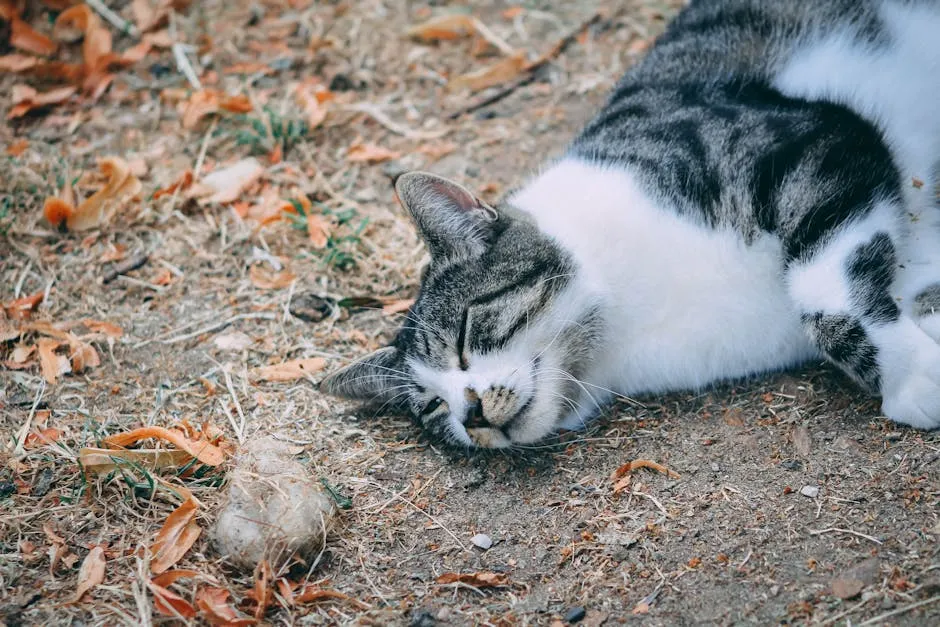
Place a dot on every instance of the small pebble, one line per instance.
(716, 467)
(481, 540)
(810, 490)
(575, 615)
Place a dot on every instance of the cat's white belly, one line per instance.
(687, 305)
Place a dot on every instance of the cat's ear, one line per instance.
(452, 221)
(374, 378)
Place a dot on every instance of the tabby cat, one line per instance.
(757, 192)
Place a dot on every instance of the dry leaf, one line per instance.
(169, 603)
(312, 593)
(262, 594)
(290, 370)
(478, 580)
(641, 608)
(802, 440)
(18, 63)
(436, 150)
(208, 101)
(58, 548)
(103, 460)
(370, 153)
(121, 188)
(643, 463)
(100, 326)
(235, 341)
(21, 353)
(22, 36)
(90, 574)
(228, 184)
(169, 577)
(444, 27)
(500, 72)
(40, 438)
(17, 148)
(203, 450)
(175, 538)
(27, 99)
(265, 279)
(51, 364)
(83, 356)
(214, 604)
(182, 184)
(313, 102)
(23, 308)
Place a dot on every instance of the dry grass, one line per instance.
(731, 541)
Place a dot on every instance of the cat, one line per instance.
(757, 192)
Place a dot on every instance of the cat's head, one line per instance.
(491, 352)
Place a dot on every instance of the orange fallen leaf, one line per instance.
(169, 603)
(51, 364)
(58, 548)
(90, 574)
(100, 326)
(23, 308)
(290, 370)
(9, 10)
(500, 72)
(169, 577)
(642, 608)
(478, 580)
(436, 150)
(23, 36)
(17, 148)
(182, 183)
(265, 279)
(512, 12)
(370, 153)
(203, 450)
(227, 184)
(39, 438)
(21, 353)
(121, 188)
(643, 463)
(175, 538)
(214, 604)
(314, 102)
(262, 593)
(318, 230)
(208, 101)
(27, 99)
(100, 461)
(83, 356)
(444, 27)
(312, 593)
(18, 63)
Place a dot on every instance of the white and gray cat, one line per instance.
(758, 191)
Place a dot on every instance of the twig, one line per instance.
(240, 428)
(492, 37)
(429, 516)
(125, 266)
(654, 500)
(184, 66)
(531, 69)
(379, 116)
(817, 532)
(116, 20)
(215, 326)
(841, 615)
(900, 610)
(24, 430)
(204, 149)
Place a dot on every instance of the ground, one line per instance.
(792, 491)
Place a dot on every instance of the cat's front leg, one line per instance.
(842, 289)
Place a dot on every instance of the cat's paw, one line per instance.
(914, 399)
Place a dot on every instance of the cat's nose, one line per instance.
(474, 416)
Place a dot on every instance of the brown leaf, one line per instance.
(51, 364)
(208, 101)
(103, 460)
(27, 99)
(847, 588)
(802, 440)
(227, 184)
(169, 603)
(58, 548)
(90, 574)
(23, 36)
(23, 308)
(312, 593)
(478, 580)
(262, 593)
(290, 370)
(370, 153)
(17, 148)
(314, 102)
(100, 326)
(83, 356)
(500, 72)
(203, 450)
(214, 604)
(643, 463)
(21, 353)
(169, 577)
(265, 279)
(121, 188)
(175, 538)
(182, 184)
(18, 63)
(444, 27)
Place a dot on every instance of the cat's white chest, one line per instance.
(686, 305)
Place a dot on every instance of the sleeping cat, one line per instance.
(758, 191)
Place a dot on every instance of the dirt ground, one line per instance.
(796, 503)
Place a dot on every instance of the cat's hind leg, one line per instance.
(842, 286)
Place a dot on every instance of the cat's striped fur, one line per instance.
(757, 191)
